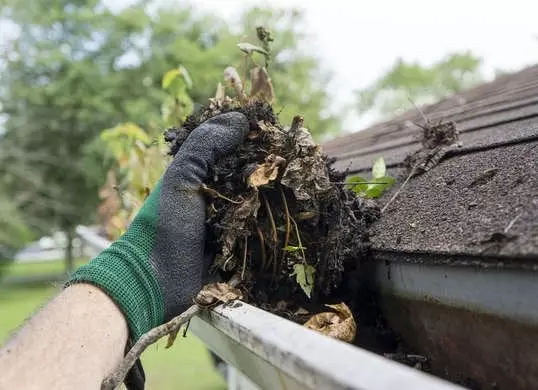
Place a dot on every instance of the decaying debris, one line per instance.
(279, 217)
(339, 323)
(437, 140)
(215, 293)
(281, 209)
(210, 295)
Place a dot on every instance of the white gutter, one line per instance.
(277, 354)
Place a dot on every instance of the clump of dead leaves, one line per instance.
(277, 213)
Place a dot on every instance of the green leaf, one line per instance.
(304, 274)
(186, 76)
(379, 186)
(248, 48)
(357, 184)
(169, 77)
(379, 169)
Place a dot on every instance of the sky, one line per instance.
(358, 41)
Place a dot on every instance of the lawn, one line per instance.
(38, 268)
(185, 366)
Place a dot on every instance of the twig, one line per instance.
(274, 232)
(362, 182)
(114, 379)
(244, 259)
(514, 220)
(299, 242)
(262, 247)
(271, 219)
(217, 194)
(118, 375)
(226, 262)
(399, 190)
(426, 120)
(288, 224)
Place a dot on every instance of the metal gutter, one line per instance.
(277, 354)
(476, 323)
(495, 289)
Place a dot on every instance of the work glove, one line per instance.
(156, 268)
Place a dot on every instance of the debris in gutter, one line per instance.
(437, 140)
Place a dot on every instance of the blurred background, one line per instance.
(87, 88)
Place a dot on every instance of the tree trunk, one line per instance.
(69, 260)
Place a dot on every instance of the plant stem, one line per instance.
(262, 247)
(399, 190)
(288, 217)
(299, 239)
(271, 218)
(118, 375)
(217, 194)
(114, 379)
(244, 259)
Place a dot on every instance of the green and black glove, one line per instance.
(155, 269)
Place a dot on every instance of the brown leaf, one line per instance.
(301, 311)
(219, 94)
(261, 84)
(234, 221)
(307, 175)
(232, 78)
(338, 324)
(267, 171)
(214, 293)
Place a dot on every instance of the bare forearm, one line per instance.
(73, 342)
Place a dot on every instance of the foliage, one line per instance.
(296, 75)
(13, 231)
(406, 82)
(374, 187)
(139, 160)
(304, 273)
(73, 68)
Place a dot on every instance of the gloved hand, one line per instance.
(155, 269)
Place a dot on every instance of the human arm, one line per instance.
(153, 271)
(73, 342)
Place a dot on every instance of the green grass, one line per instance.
(185, 366)
(38, 268)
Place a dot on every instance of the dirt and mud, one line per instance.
(280, 216)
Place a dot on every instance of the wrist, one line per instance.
(123, 271)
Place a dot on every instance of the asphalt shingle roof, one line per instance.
(482, 199)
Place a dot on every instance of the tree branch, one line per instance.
(114, 379)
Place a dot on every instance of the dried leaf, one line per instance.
(248, 48)
(231, 76)
(301, 311)
(214, 293)
(266, 172)
(307, 175)
(261, 84)
(304, 274)
(219, 93)
(234, 221)
(339, 324)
